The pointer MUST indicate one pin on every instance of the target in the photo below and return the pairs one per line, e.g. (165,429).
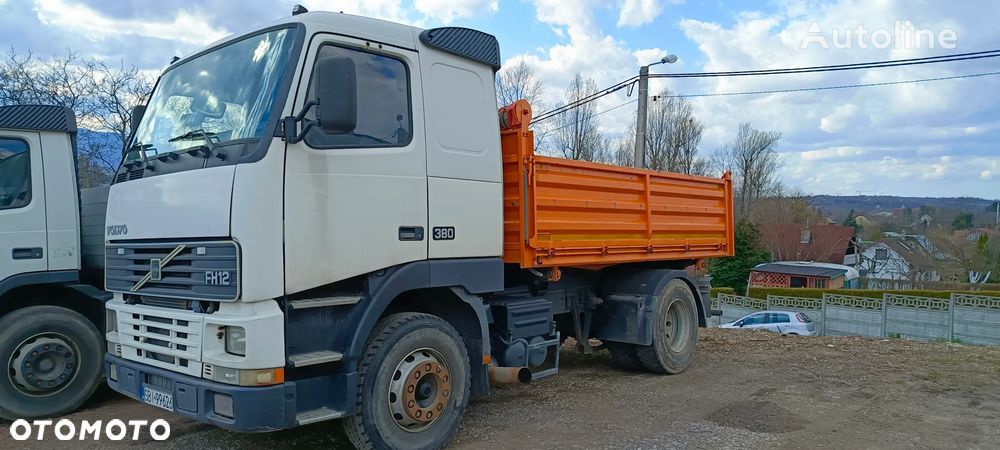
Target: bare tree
(65,80)
(101,96)
(116,91)
(518,81)
(754,163)
(577,135)
(974,258)
(673,135)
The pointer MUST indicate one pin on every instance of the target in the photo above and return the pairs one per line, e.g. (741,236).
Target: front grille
(130,175)
(162,302)
(167,339)
(198,271)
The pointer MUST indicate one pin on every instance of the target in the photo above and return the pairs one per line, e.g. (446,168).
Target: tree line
(102,96)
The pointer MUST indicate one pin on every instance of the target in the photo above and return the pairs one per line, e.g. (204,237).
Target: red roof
(826,243)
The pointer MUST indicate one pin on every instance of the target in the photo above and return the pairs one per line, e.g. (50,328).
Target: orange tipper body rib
(565,213)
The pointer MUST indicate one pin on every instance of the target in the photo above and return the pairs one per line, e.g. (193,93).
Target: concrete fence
(965,317)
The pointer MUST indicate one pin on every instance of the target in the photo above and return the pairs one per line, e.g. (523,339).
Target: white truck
(329,218)
(51,267)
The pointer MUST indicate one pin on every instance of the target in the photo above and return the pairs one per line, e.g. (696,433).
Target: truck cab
(329,218)
(51,305)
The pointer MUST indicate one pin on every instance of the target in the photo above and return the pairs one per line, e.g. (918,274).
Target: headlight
(236,341)
(247,377)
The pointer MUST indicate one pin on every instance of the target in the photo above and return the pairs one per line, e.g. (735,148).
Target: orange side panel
(566,213)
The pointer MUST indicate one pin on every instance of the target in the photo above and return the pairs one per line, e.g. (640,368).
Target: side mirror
(337,94)
(137,112)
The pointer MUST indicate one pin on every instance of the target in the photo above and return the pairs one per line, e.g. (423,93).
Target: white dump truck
(51,267)
(330,218)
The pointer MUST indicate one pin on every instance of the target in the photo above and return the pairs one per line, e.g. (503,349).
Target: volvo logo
(155,274)
(156,266)
(117,230)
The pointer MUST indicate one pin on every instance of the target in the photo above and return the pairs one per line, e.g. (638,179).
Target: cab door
(22,205)
(356,202)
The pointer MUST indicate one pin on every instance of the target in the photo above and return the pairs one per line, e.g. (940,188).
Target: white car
(784,322)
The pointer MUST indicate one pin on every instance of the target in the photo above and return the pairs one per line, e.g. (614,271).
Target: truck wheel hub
(43,364)
(676,328)
(420,390)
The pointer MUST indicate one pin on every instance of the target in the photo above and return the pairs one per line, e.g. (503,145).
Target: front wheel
(413,384)
(675,331)
(53,358)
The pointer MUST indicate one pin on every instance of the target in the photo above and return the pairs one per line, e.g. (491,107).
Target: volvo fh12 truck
(328,218)
(51,267)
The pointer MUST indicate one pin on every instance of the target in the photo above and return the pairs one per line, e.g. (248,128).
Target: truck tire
(413,384)
(52,358)
(675,331)
(623,356)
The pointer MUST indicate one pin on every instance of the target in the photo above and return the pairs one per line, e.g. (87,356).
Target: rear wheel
(413,384)
(675,331)
(52,358)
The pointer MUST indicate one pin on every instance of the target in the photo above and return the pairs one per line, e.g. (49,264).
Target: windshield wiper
(209,148)
(194,134)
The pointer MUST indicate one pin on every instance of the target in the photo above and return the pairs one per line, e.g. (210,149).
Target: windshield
(222,96)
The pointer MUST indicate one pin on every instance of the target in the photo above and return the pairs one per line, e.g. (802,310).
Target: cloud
(391,10)
(184,26)
(635,13)
(929,138)
(445,11)
(842,117)
(585,49)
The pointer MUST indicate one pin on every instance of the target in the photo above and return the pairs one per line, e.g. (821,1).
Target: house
(804,274)
(899,261)
(821,243)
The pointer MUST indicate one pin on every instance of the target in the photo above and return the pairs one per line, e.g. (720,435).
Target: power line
(828,68)
(825,88)
(589,98)
(840,67)
(593,115)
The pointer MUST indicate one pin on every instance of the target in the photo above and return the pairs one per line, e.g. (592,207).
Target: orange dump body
(564,213)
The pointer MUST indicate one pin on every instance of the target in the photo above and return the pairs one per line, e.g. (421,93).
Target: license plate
(158,398)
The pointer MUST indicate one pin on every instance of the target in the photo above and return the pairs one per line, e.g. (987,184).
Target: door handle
(411,233)
(26,253)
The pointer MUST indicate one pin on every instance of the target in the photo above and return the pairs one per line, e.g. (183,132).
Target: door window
(15,173)
(755,319)
(779,318)
(384,118)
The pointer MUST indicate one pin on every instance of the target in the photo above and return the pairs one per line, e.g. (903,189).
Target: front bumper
(255,409)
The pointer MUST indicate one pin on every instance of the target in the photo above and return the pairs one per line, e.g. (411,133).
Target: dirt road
(745,390)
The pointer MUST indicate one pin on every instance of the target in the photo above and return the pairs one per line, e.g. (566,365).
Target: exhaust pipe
(509,375)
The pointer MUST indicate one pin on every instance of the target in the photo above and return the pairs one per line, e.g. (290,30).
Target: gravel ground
(746,389)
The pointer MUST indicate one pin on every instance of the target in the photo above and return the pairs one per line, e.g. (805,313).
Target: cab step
(324,301)
(317,415)
(313,358)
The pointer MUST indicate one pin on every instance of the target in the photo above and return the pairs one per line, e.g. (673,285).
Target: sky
(939,138)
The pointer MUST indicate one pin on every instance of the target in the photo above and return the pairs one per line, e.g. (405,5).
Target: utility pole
(640,124)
